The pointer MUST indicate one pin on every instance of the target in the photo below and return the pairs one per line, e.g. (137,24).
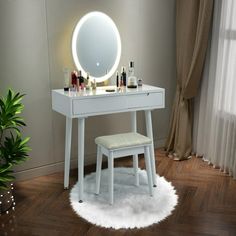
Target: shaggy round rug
(132,208)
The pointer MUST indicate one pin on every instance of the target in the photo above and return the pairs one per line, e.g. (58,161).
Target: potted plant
(13,148)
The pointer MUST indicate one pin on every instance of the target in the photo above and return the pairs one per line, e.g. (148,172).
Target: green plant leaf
(5,168)
(10,108)
(5,175)
(7,178)
(13,148)
(3,186)
(24,141)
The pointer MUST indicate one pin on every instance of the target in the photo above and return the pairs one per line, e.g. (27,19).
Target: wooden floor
(207,204)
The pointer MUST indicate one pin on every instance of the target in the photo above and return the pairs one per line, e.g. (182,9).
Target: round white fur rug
(132,208)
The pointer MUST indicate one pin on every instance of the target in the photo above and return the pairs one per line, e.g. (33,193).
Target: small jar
(140,82)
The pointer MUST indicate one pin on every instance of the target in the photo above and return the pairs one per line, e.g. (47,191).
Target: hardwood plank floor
(207,204)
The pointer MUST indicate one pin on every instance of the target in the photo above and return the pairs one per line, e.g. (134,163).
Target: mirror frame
(74,49)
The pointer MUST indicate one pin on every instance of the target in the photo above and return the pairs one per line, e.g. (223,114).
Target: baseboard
(59,166)
(51,168)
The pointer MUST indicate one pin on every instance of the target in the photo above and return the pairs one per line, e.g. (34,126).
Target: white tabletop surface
(101,91)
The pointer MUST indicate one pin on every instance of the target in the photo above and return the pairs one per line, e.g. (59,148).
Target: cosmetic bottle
(123,73)
(88,82)
(66,79)
(131,69)
(140,82)
(94,85)
(82,84)
(74,80)
(121,81)
(117,79)
(81,80)
(132,80)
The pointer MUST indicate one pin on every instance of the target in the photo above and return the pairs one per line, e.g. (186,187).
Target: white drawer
(145,100)
(99,105)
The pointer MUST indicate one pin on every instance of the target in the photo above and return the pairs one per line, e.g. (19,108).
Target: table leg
(67,152)
(148,118)
(135,157)
(81,124)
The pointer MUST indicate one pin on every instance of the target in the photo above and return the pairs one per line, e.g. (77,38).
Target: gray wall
(35,45)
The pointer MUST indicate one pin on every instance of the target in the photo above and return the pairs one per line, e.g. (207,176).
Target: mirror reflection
(96,46)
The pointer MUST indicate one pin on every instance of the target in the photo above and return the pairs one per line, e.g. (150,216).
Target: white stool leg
(98,169)
(135,157)
(149,171)
(135,167)
(111,174)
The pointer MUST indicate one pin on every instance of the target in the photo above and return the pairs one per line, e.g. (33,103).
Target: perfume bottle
(132,80)
(88,82)
(74,80)
(131,69)
(121,81)
(117,79)
(123,74)
(81,80)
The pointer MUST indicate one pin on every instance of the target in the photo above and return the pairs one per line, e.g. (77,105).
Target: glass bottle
(123,74)
(132,80)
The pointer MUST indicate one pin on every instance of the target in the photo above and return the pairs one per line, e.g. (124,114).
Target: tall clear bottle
(132,80)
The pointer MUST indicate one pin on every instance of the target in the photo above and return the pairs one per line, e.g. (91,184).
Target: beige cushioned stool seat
(123,140)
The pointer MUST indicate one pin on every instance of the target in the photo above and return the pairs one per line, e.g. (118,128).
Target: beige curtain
(215,106)
(193,20)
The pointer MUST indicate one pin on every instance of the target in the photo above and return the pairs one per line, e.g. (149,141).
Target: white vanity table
(81,105)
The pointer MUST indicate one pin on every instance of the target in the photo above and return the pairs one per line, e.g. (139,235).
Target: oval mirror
(96,46)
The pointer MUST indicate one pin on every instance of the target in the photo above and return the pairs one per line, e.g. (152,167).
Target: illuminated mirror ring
(96,46)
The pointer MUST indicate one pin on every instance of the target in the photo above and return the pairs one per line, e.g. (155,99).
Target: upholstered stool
(120,145)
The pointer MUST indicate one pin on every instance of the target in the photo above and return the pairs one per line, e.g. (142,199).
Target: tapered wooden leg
(98,169)
(67,152)
(135,157)
(148,170)
(81,124)
(148,118)
(111,175)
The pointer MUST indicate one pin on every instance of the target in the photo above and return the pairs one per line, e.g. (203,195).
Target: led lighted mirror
(96,46)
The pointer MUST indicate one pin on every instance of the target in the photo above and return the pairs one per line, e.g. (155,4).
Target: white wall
(35,45)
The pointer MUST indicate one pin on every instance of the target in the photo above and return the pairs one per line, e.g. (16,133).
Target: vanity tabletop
(101,91)
(99,102)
